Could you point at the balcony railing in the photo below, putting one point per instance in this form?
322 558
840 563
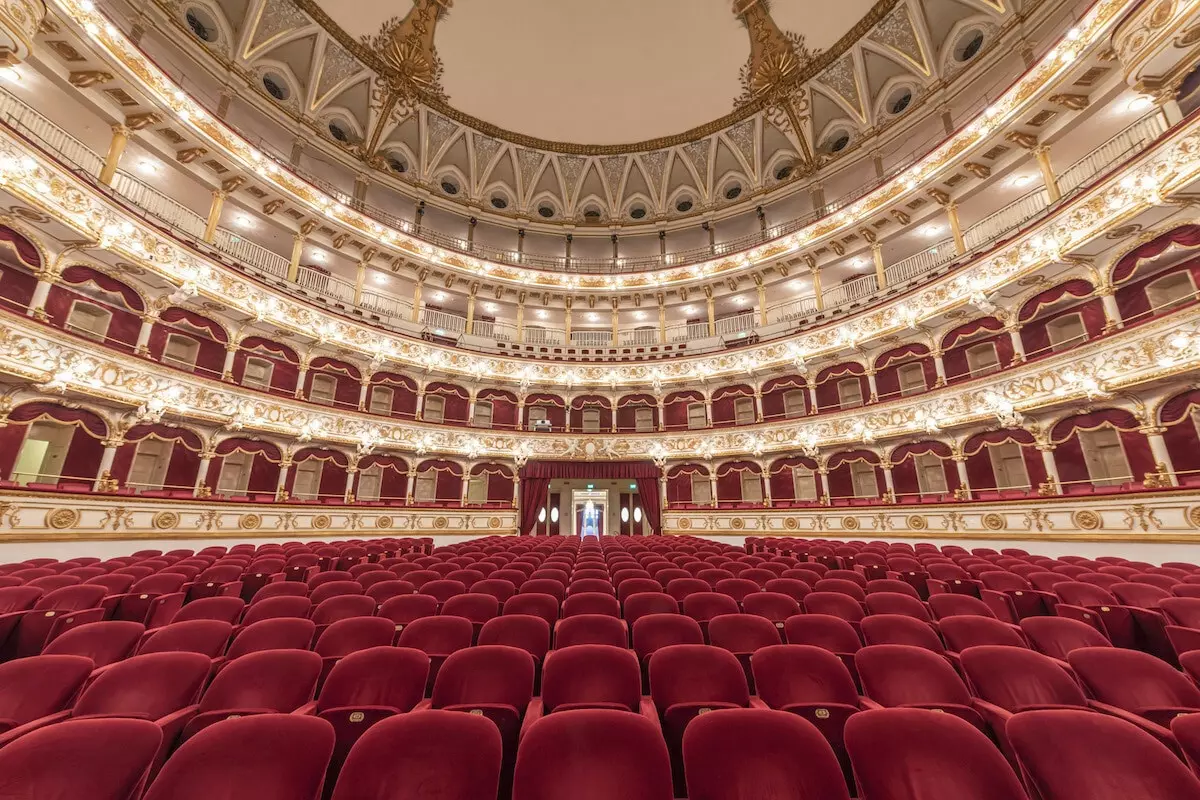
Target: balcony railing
394 310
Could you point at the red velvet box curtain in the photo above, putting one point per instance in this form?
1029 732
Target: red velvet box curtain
536 477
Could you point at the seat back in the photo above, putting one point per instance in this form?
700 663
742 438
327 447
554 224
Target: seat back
911 754
961 632
267 757
951 605
287 633
486 674
102 642
593 755
278 607
790 674
208 637
834 604
431 754
150 686
742 633
899 629
342 607
523 631
895 603
896 675
822 630
279 680
656 631
591 674
590 629
535 604
1067 755
751 753
388 677
1058 636
37 686
355 633
1132 680
1014 678
696 674
226 609
100 759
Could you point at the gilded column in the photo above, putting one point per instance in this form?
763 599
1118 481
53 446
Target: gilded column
116 147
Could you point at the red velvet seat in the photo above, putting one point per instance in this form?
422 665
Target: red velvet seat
266 757
97 759
1136 687
438 638
522 631
835 604
225 609
267 682
102 642
742 753
593 755
1058 636
277 608
812 683
534 604
899 676
902 630
953 605
911 754
285 633
366 687
1068 755
36 687
423 755
591 629
208 637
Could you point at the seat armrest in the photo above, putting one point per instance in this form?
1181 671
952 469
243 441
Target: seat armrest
307 710
533 713
868 704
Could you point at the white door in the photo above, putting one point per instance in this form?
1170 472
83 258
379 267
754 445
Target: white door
43 453
912 379
307 484
322 390
793 403
1008 465
804 483
751 487
477 490
381 400
483 414
150 462
235 473
591 420
1065 331
425 489
434 409
931 474
370 483
89 319
863 476
181 351
982 359
643 419
1104 456
850 393
701 490
743 410
697 416
257 374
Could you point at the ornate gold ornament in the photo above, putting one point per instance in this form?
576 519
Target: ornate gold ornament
684 524
850 523
737 523
916 522
165 520
1193 516
994 522
250 522
62 518
493 522
383 523
441 523
1086 520
791 523
321 522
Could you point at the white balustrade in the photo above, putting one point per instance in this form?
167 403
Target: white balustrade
850 291
442 320
920 263
591 338
747 320
1009 218
1117 149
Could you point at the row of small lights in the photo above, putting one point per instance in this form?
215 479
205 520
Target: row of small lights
1065 52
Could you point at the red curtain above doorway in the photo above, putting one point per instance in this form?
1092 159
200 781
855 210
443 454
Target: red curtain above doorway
536 477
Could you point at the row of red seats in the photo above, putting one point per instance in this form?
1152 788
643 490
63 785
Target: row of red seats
591 735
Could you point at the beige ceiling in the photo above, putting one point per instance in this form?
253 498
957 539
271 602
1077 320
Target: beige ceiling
597 71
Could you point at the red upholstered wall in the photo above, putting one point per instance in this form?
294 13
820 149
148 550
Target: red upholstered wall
980 474
404 393
286 364
887 368
1132 301
556 411
772 395
578 404
122 329
348 384
627 407
723 413
675 408
828 379
210 358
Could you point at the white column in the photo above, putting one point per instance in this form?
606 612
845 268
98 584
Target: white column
106 462
301 377
871 385
230 354
143 341
1158 448
37 305
824 473
1112 312
284 466
202 473
708 417
350 473
662 488
474 393
662 417
362 394
940 367
758 408
466 484
1047 451
1014 333
408 488
961 463
420 402
812 398
520 413
766 482
712 486
888 482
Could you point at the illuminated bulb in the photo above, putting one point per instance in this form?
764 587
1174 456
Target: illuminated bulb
1139 104
1021 180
